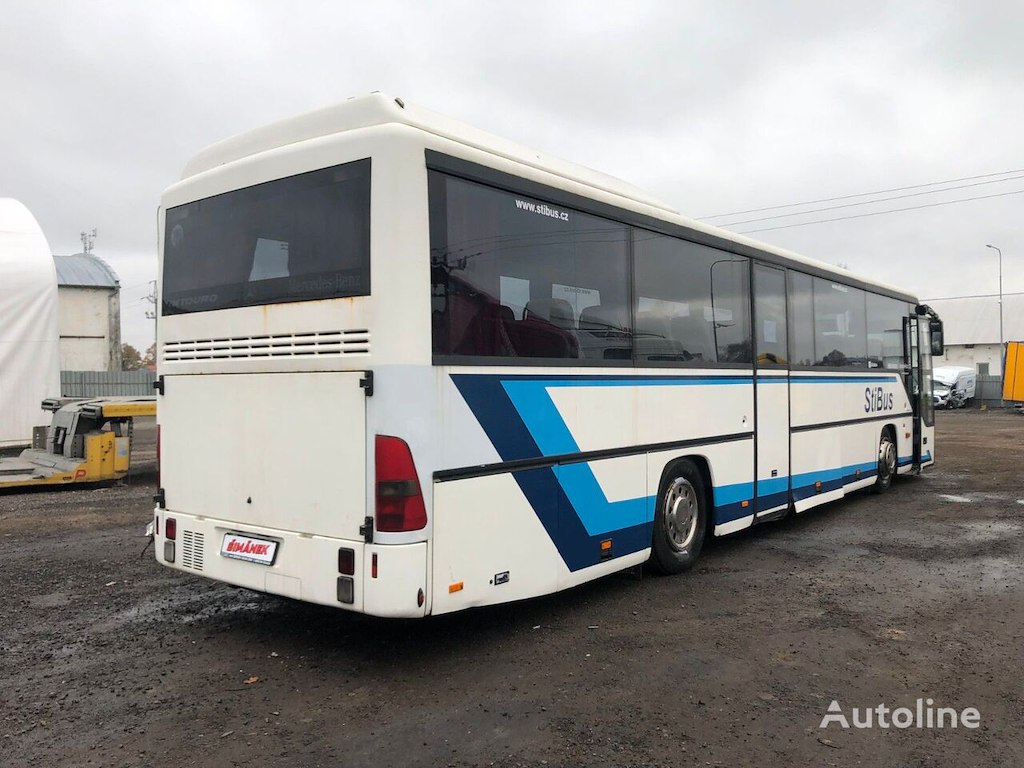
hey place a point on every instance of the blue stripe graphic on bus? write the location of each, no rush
(533, 403)
(522, 422)
(520, 418)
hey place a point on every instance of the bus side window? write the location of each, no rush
(692, 301)
(801, 318)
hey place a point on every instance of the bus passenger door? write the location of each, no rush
(913, 382)
(771, 392)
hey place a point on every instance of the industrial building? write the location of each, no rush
(89, 308)
(972, 329)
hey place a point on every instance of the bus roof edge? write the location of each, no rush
(380, 109)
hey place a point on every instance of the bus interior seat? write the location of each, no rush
(558, 312)
(533, 337)
(600, 319)
(486, 333)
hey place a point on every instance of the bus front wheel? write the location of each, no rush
(886, 462)
(680, 519)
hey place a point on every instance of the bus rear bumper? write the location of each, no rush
(388, 580)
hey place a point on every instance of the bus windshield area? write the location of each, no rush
(299, 238)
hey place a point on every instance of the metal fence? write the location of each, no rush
(106, 383)
(989, 390)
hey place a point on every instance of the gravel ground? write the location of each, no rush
(109, 659)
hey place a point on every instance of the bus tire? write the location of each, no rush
(680, 519)
(886, 462)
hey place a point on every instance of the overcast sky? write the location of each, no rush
(712, 106)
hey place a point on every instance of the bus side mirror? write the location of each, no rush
(935, 329)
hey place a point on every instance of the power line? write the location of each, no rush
(880, 213)
(866, 202)
(859, 194)
(977, 296)
(137, 285)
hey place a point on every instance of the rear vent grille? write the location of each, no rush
(192, 550)
(292, 345)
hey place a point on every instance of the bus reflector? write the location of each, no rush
(346, 590)
(744, 504)
(171, 529)
(346, 561)
(456, 587)
(606, 549)
(399, 499)
(373, 566)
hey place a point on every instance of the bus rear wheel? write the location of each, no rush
(680, 519)
(886, 463)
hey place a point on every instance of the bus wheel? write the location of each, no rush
(886, 463)
(679, 520)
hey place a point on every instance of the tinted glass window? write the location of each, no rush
(839, 325)
(801, 318)
(692, 301)
(885, 331)
(295, 239)
(513, 276)
(927, 403)
(770, 316)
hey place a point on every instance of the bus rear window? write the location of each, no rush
(300, 238)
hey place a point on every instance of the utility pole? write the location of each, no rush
(152, 313)
(88, 239)
(1002, 348)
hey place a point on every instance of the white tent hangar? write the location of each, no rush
(29, 367)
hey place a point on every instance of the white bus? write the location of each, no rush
(407, 367)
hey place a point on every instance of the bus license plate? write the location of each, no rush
(249, 548)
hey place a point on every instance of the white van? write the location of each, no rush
(953, 386)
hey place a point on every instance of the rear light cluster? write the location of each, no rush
(170, 534)
(399, 498)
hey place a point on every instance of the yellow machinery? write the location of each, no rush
(1013, 374)
(87, 441)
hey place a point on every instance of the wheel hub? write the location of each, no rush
(680, 514)
(887, 457)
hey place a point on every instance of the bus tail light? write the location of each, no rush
(170, 534)
(399, 498)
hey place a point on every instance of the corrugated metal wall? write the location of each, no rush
(988, 390)
(106, 383)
